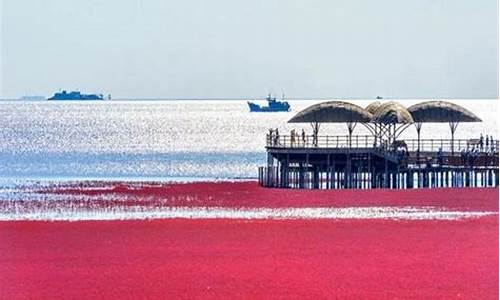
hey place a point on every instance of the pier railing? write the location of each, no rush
(321, 141)
(447, 145)
(368, 141)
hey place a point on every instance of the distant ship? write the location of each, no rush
(273, 105)
(75, 95)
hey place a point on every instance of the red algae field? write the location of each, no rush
(369, 244)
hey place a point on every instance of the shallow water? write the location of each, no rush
(141, 213)
(160, 139)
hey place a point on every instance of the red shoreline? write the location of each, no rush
(250, 194)
(223, 258)
(163, 259)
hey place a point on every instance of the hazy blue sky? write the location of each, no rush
(230, 48)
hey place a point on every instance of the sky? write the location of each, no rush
(238, 49)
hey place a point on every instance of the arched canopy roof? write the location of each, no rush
(372, 107)
(392, 113)
(441, 111)
(332, 112)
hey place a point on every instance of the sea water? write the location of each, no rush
(163, 140)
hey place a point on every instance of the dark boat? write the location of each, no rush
(273, 105)
(75, 95)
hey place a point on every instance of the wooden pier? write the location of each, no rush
(381, 159)
(364, 162)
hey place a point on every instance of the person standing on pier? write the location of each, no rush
(440, 156)
(303, 137)
(276, 137)
(481, 140)
(292, 137)
(315, 136)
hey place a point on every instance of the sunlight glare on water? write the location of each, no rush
(136, 139)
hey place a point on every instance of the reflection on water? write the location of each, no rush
(160, 139)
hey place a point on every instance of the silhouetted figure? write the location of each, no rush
(474, 155)
(315, 137)
(481, 140)
(303, 137)
(463, 155)
(440, 156)
(270, 137)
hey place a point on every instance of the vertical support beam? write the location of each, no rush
(347, 173)
(495, 173)
(287, 182)
(328, 171)
(315, 170)
(446, 178)
(277, 178)
(333, 173)
(424, 178)
(454, 177)
(261, 176)
(418, 125)
(306, 176)
(441, 177)
(302, 176)
(374, 178)
(394, 179)
(270, 170)
(386, 173)
(369, 173)
(409, 179)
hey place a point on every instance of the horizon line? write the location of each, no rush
(254, 99)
